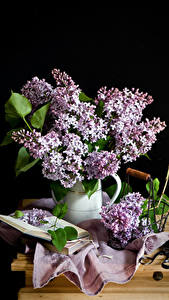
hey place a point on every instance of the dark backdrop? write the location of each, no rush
(112, 47)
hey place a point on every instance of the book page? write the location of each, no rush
(42, 230)
(60, 223)
(25, 227)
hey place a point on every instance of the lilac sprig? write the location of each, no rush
(123, 111)
(34, 216)
(122, 219)
(38, 91)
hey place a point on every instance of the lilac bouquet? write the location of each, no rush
(122, 220)
(74, 137)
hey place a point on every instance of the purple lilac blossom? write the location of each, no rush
(74, 124)
(65, 166)
(68, 169)
(122, 219)
(101, 164)
(37, 91)
(123, 111)
(72, 114)
(34, 216)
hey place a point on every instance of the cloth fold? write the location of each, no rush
(94, 265)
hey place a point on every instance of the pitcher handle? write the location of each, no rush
(118, 189)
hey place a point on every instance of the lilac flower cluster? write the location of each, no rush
(65, 165)
(124, 110)
(38, 91)
(74, 127)
(122, 219)
(66, 110)
(34, 216)
(101, 164)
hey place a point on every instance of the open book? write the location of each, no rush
(41, 232)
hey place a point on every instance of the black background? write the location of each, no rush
(108, 46)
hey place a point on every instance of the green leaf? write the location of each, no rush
(60, 210)
(99, 108)
(17, 107)
(156, 184)
(43, 222)
(59, 190)
(152, 221)
(59, 239)
(102, 143)
(18, 214)
(144, 206)
(91, 146)
(163, 207)
(125, 189)
(71, 233)
(90, 186)
(28, 166)
(52, 233)
(147, 156)
(56, 210)
(84, 98)
(7, 139)
(22, 162)
(38, 118)
(22, 159)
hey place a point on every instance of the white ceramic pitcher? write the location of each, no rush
(81, 208)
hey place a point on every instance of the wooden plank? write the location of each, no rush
(119, 294)
(138, 288)
(23, 262)
(73, 296)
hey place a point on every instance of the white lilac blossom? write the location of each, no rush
(122, 219)
(68, 145)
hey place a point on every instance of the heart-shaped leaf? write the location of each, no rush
(60, 210)
(84, 98)
(59, 239)
(39, 115)
(17, 107)
(71, 233)
(22, 159)
(22, 162)
(28, 166)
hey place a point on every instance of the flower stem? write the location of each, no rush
(165, 185)
(27, 124)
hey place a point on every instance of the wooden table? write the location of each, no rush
(141, 286)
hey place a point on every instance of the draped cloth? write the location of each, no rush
(94, 265)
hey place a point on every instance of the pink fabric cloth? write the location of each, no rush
(89, 269)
